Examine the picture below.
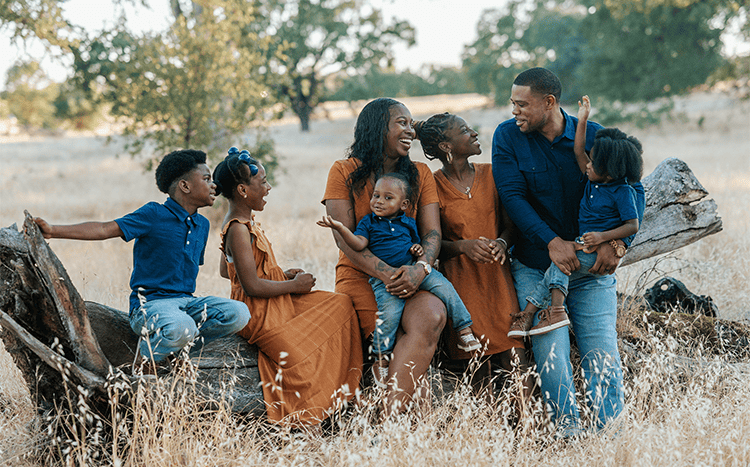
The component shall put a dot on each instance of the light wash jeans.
(390, 309)
(592, 308)
(167, 325)
(554, 278)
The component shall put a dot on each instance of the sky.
(442, 27)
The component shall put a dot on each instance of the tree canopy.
(622, 50)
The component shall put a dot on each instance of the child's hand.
(584, 108)
(416, 250)
(44, 227)
(303, 282)
(292, 273)
(330, 222)
(592, 239)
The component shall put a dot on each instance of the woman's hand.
(500, 250)
(480, 250)
(303, 282)
(406, 280)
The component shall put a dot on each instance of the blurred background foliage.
(225, 68)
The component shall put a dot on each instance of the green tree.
(192, 86)
(311, 37)
(29, 95)
(628, 50)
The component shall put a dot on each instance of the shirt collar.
(399, 217)
(179, 212)
(570, 127)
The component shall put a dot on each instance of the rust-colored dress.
(486, 289)
(350, 280)
(310, 351)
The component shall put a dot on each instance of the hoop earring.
(449, 158)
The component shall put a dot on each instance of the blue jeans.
(554, 278)
(167, 325)
(390, 309)
(592, 308)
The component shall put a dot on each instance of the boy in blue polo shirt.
(170, 241)
(392, 236)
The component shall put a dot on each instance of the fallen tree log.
(52, 334)
(677, 212)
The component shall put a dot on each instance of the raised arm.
(355, 242)
(83, 231)
(579, 144)
(239, 243)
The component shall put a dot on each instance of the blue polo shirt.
(606, 206)
(168, 250)
(389, 239)
(541, 186)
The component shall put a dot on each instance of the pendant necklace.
(468, 191)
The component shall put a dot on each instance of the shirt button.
(190, 231)
(392, 229)
(591, 196)
(188, 242)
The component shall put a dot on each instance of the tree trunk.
(677, 212)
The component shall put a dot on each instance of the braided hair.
(368, 147)
(237, 167)
(431, 133)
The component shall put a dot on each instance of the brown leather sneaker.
(521, 324)
(550, 318)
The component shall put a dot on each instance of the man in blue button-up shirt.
(170, 241)
(541, 186)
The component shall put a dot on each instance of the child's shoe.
(522, 322)
(467, 342)
(550, 318)
(379, 371)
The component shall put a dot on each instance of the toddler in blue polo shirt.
(170, 241)
(607, 213)
(392, 236)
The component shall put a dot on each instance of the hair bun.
(233, 150)
(418, 125)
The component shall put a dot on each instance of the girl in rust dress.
(310, 352)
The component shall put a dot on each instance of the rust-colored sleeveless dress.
(486, 289)
(310, 351)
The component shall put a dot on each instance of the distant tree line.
(226, 66)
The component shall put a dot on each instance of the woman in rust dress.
(477, 233)
(310, 352)
(382, 139)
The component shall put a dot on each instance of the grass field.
(671, 418)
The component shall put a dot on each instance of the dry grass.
(674, 415)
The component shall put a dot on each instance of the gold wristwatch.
(426, 266)
(619, 249)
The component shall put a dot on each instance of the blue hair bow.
(245, 157)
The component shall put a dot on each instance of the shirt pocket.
(536, 172)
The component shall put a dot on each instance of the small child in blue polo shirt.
(170, 242)
(392, 236)
(607, 213)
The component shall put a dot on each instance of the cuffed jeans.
(592, 308)
(554, 278)
(390, 309)
(167, 325)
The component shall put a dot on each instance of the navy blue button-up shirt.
(541, 186)
(169, 247)
(389, 239)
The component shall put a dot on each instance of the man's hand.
(606, 261)
(563, 254)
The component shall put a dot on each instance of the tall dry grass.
(674, 415)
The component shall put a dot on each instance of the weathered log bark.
(677, 212)
(52, 334)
